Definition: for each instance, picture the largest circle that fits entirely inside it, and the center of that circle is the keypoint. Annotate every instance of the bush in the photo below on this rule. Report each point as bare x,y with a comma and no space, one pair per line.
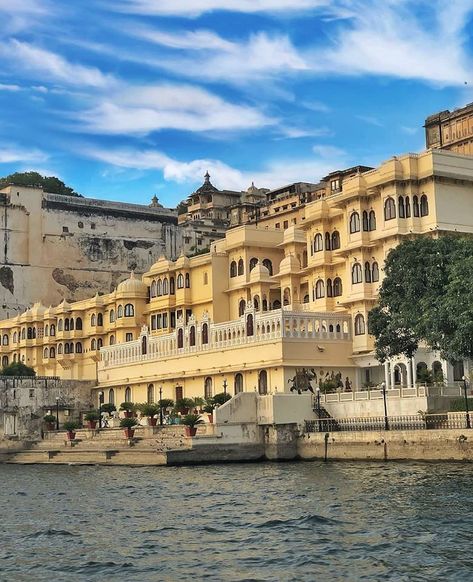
49,418
92,415
128,406
458,405
221,398
128,422
184,403
209,406
191,420
108,408
17,369
148,409
166,403
70,426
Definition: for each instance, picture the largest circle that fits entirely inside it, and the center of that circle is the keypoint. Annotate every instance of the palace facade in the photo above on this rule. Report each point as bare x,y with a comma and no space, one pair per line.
263,302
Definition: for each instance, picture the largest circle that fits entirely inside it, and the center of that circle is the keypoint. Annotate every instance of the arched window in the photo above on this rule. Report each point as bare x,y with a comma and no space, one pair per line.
172,286
335,240
238,383
180,338
415,206
79,348
93,320
188,281
354,222
150,394
286,298
129,310
23,333
128,394
241,267
367,272
276,304
29,333
372,220
112,316
15,337
46,353
208,388
205,333
269,265
359,324
192,335
256,302
249,325
375,272
241,307
180,281
327,241
79,323
253,263
329,288
60,349
99,320
366,225
71,324
165,286
233,269
153,290
159,288
263,382
52,352
319,289
5,339
66,348
408,207
337,287
389,209
99,343
306,298
112,340
52,330
66,324
120,311
424,205
93,344
111,396
356,274
4,361
46,330
318,242
144,345
60,325
401,207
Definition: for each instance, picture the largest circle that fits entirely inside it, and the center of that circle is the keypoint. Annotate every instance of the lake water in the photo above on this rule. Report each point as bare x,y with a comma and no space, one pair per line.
287,521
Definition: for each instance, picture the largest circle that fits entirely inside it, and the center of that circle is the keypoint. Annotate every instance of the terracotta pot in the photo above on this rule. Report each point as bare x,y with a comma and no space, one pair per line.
128,413
71,435
152,421
129,433
184,411
50,426
92,423
191,431
211,418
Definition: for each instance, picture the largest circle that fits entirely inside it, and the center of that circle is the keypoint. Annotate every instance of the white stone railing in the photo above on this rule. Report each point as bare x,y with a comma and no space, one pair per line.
267,327
394,393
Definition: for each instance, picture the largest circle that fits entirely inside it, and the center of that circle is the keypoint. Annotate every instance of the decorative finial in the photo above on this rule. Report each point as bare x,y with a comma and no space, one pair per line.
207,176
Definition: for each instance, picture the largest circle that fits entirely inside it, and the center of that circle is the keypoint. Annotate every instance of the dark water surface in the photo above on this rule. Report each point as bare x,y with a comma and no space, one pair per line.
294,521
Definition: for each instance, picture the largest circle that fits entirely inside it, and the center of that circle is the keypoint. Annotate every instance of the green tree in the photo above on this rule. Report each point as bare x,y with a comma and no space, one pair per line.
182,207
48,183
17,369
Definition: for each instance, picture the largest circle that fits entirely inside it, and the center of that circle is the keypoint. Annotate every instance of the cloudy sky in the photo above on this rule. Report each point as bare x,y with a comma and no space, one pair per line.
124,99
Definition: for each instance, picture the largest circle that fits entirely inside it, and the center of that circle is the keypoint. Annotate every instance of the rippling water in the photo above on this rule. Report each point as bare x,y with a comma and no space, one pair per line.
288,521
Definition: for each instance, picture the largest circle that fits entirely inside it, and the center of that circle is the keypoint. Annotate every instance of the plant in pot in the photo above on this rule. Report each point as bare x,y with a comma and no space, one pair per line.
108,408
128,409
128,424
209,409
166,404
183,405
190,421
91,418
198,404
71,428
50,421
150,410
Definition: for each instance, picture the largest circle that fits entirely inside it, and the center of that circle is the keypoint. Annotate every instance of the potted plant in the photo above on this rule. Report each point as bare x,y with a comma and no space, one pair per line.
165,404
183,405
128,424
91,418
128,409
71,428
198,403
50,421
150,410
209,409
190,421
108,408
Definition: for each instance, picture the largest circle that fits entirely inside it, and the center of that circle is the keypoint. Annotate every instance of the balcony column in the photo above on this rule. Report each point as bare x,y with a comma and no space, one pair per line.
414,371
386,374
409,372
393,381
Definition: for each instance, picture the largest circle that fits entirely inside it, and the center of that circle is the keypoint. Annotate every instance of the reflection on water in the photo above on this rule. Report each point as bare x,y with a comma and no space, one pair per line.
288,521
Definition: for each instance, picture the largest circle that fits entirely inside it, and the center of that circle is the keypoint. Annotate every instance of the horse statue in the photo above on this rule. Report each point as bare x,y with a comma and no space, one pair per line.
301,382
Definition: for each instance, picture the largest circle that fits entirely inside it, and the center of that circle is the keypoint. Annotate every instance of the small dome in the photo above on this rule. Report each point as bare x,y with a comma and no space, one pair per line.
160,266
182,262
132,285
289,264
259,273
38,309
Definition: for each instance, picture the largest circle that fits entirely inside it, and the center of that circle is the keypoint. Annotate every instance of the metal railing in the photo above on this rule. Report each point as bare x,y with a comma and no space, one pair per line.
447,420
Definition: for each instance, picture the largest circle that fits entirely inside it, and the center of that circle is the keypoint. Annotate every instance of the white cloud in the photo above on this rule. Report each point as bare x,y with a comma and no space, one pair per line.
6,87
409,130
14,154
42,64
141,110
194,40
274,174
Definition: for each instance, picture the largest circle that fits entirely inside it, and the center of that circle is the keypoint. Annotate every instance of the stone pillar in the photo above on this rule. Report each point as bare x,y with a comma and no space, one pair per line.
414,372
409,373
393,383
386,374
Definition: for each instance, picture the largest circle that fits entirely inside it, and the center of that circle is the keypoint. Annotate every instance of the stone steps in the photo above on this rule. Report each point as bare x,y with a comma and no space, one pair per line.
127,456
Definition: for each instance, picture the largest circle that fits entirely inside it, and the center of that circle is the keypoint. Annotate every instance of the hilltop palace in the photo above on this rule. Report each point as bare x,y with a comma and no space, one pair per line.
288,285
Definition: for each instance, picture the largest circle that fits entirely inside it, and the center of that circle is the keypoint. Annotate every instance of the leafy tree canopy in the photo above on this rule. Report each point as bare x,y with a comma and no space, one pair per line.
426,296
48,183
17,369
182,207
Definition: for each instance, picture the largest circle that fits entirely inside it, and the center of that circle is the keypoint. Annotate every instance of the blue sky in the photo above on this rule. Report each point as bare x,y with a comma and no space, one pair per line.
124,99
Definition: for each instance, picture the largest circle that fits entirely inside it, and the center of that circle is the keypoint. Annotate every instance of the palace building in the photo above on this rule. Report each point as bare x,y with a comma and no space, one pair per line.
263,302
451,130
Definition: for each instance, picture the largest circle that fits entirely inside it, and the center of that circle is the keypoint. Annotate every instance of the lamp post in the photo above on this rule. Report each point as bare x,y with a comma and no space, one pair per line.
57,412
465,387
160,406
224,385
383,389
100,408
317,391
